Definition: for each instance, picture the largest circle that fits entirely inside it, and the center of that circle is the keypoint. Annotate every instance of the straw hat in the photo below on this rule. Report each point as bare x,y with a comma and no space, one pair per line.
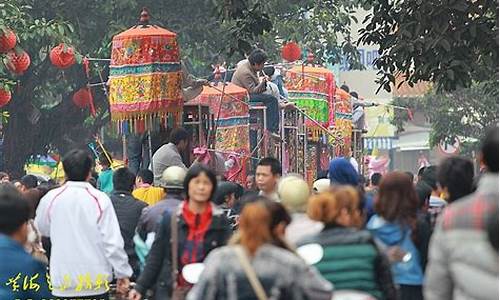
294,192
173,177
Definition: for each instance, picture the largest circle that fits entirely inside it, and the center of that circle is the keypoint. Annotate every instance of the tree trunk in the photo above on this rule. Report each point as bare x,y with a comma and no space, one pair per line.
62,127
18,141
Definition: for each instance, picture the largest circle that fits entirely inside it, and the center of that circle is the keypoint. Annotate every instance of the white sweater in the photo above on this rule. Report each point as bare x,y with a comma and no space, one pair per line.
86,239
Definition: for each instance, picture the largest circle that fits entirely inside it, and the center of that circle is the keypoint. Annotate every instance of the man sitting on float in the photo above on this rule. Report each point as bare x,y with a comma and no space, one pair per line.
247,77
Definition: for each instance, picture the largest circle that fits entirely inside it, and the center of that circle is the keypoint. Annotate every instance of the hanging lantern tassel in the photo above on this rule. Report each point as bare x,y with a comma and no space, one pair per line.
410,114
86,67
91,102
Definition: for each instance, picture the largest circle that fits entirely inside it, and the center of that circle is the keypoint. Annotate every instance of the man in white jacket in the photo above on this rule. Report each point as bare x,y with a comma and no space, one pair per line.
87,245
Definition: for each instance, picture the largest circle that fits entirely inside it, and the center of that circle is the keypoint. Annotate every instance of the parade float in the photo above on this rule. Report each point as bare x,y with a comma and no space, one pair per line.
314,92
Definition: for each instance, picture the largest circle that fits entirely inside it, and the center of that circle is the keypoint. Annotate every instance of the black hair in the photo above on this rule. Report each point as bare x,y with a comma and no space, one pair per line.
29,181
457,175
344,87
273,163
278,212
93,182
429,176
178,135
421,171
268,70
424,192
3,175
77,165
194,172
123,180
227,188
375,179
14,209
410,174
354,94
103,160
146,176
257,57
279,215
489,150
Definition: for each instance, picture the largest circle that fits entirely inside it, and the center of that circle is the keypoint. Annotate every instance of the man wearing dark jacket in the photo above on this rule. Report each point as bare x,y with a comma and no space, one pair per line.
17,265
128,210
171,181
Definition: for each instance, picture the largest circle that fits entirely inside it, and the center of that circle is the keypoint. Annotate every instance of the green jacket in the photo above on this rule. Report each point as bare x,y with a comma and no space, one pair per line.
105,181
351,261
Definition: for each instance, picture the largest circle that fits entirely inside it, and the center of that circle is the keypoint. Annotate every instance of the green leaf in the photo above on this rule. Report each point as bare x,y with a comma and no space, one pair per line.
78,58
473,30
446,45
461,6
451,74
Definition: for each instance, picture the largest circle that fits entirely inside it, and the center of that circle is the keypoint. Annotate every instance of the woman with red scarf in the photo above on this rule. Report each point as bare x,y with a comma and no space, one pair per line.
185,236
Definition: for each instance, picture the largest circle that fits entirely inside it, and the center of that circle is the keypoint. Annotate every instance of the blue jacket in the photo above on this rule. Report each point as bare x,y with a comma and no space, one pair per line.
16,265
388,235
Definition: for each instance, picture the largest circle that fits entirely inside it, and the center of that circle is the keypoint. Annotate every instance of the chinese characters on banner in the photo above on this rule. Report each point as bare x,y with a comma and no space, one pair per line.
84,282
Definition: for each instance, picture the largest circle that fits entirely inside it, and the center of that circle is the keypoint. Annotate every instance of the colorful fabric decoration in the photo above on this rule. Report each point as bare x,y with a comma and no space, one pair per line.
343,117
311,163
314,80
18,62
62,56
145,78
8,40
232,134
312,103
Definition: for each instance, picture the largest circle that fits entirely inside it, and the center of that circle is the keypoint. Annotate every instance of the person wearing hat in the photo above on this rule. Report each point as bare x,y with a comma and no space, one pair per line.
321,185
172,182
294,193
341,172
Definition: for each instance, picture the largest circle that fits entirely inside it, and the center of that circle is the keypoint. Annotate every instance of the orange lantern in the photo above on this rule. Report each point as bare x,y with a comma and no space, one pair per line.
5,96
18,62
82,97
7,41
291,52
62,56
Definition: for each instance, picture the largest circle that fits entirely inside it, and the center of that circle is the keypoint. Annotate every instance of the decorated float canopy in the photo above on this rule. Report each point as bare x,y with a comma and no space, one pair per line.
145,78
231,136
312,89
343,117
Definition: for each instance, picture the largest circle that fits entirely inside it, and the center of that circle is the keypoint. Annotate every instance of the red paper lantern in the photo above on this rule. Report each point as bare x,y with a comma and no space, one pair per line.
62,56
17,63
291,51
5,97
82,97
7,41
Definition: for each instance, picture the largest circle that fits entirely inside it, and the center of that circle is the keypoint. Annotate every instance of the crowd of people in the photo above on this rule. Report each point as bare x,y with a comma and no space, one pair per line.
140,236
